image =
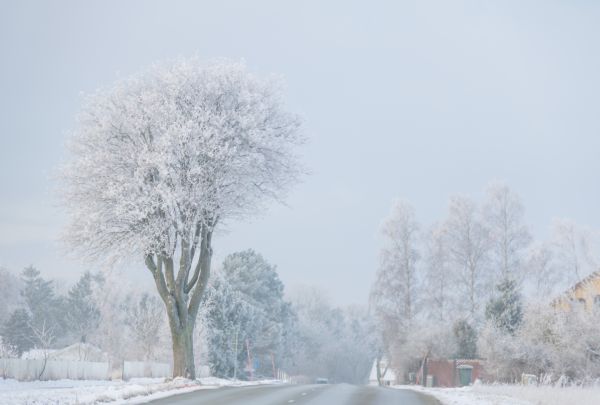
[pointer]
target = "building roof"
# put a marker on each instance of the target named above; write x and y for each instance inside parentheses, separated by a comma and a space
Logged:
(577, 286)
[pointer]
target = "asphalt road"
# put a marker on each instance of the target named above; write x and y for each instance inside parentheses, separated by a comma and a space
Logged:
(335, 394)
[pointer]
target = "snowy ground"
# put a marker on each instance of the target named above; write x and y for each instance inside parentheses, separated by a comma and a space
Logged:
(512, 395)
(80, 392)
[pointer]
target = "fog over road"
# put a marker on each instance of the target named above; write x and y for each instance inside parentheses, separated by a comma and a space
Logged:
(336, 394)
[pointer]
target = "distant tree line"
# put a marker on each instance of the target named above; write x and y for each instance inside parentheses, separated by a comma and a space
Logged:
(248, 327)
(477, 278)
(251, 326)
(123, 324)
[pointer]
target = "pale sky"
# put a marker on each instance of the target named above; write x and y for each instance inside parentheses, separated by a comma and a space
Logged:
(411, 99)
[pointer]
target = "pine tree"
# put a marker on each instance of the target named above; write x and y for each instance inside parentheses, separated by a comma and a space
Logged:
(83, 314)
(249, 313)
(44, 307)
(17, 332)
(230, 323)
(466, 340)
(506, 310)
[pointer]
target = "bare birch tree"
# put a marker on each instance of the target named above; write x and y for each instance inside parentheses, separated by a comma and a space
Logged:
(573, 247)
(468, 243)
(543, 275)
(162, 158)
(509, 236)
(439, 280)
(393, 294)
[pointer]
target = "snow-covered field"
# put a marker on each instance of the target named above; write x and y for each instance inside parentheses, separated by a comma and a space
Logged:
(513, 395)
(135, 391)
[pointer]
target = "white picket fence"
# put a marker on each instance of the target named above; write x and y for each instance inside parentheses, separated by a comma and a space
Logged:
(136, 369)
(27, 370)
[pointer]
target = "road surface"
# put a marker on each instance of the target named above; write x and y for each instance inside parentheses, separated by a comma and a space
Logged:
(334, 394)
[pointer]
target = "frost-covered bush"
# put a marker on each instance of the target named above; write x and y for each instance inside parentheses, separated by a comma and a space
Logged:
(6, 350)
(552, 344)
(499, 348)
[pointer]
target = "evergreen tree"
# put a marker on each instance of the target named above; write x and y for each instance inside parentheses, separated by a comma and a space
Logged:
(17, 332)
(10, 294)
(41, 301)
(248, 312)
(83, 314)
(466, 340)
(506, 310)
(230, 324)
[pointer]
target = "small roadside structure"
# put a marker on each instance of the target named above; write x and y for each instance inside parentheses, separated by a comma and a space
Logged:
(451, 373)
(387, 374)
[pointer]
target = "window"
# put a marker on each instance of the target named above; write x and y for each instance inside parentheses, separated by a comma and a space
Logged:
(597, 302)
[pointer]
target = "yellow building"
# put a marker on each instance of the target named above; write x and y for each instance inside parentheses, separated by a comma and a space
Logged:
(585, 294)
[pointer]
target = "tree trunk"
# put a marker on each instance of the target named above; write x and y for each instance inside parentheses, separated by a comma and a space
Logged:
(182, 295)
(183, 353)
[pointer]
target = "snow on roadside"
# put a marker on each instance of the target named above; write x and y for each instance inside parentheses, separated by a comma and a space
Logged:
(83, 392)
(466, 396)
(545, 395)
(504, 394)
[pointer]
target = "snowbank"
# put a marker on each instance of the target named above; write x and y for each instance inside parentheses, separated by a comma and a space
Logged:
(83, 392)
(481, 394)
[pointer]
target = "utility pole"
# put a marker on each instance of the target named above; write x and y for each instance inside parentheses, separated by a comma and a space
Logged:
(235, 355)
(273, 364)
(250, 369)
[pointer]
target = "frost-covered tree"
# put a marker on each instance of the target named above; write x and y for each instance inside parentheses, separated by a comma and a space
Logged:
(468, 244)
(543, 274)
(466, 339)
(393, 294)
(574, 248)
(229, 319)
(258, 282)
(145, 320)
(40, 315)
(10, 293)
(505, 309)
(110, 294)
(509, 236)
(248, 315)
(160, 159)
(82, 313)
(7, 351)
(331, 342)
(501, 351)
(17, 332)
(439, 280)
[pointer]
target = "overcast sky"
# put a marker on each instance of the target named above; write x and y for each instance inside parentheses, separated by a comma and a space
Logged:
(410, 99)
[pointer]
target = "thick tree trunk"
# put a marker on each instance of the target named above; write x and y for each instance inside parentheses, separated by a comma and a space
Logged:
(183, 353)
(182, 295)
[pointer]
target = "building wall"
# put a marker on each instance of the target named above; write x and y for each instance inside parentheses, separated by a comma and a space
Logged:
(586, 293)
(446, 374)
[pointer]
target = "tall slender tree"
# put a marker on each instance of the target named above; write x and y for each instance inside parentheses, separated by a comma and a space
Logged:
(82, 313)
(574, 248)
(439, 281)
(468, 247)
(395, 288)
(509, 236)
